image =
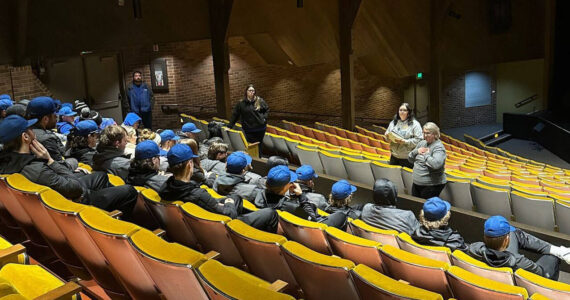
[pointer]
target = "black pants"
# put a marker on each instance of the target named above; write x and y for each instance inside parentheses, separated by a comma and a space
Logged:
(337, 220)
(256, 136)
(550, 265)
(264, 219)
(146, 119)
(427, 191)
(401, 162)
(103, 195)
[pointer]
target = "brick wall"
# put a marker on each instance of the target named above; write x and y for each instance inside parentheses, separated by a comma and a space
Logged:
(453, 111)
(21, 83)
(314, 90)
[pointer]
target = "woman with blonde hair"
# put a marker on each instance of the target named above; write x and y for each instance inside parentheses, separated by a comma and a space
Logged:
(253, 111)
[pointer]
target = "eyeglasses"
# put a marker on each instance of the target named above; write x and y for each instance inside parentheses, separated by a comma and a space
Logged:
(251, 91)
(427, 133)
(403, 109)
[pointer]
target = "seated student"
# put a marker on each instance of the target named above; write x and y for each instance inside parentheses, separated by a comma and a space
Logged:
(167, 140)
(189, 130)
(131, 141)
(199, 175)
(82, 142)
(4, 105)
(272, 161)
(383, 212)
(216, 160)
(281, 183)
(251, 177)
(144, 167)
(180, 187)
(66, 116)
(25, 155)
(434, 229)
(501, 245)
(110, 156)
(18, 108)
(340, 198)
(205, 145)
(233, 180)
(305, 179)
(147, 134)
(132, 120)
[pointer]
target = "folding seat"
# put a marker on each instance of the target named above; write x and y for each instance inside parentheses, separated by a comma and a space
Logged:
(351, 135)
(437, 253)
(170, 265)
(343, 142)
(369, 149)
(407, 178)
(350, 153)
(297, 129)
(563, 216)
(419, 271)
(555, 185)
(496, 183)
(330, 150)
(320, 126)
(223, 283)
(557, 192)
(331, 139)
(492, 174)
(466, 262)
(491, 201)
(65, 214)
(525, 180)
(532, 188)
(533, 210)
(379, 129)
(308, 233)
(292, 147)
(319, 135)
(292, 135)
(374, 285)
(28, 194)
(111, 236)
(267, 142)
(358, 250)
(241, 144)
(288, 125)
(226, 138)
(340, 132)
(384, 236)
(330, 129)
(280, 145)
(390, 172)
(358, 170)
(310, 156)
(305, 139)
(363, 138)
(34, 282)
(320, 276)
(333, 165)
(471, 170)
(270, 129)
(537, 284)
(466, 285)
(308, 132)
(354, 145)
(263, 254)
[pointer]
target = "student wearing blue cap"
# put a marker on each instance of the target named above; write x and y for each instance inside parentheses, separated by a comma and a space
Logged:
(340, 198)
(110, 156)
(383, 212)
(44, 109)
(250, 176)
(272, 161)
(305, 178)
(190, 130)
(434, 229)
(144, 167)
(82, 141)
(501, 245)
(132, 120)
(233, 180)
(199, 175)
(67, 117)
(4, 105)
(25, 155)
(167, 139)
(180, 187)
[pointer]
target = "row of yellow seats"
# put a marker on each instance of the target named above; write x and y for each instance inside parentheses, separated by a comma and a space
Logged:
(373, 140)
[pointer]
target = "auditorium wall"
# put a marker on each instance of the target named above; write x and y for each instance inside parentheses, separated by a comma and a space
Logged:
(21, 83)
(308, 93)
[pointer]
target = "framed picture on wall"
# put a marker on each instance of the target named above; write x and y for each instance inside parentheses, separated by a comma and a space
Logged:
(159, 75)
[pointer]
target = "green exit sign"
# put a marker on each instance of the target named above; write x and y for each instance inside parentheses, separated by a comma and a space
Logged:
(419, 75)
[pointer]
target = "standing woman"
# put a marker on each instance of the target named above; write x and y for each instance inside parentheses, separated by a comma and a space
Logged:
(429, 164)
(253, 112)
(406, 134)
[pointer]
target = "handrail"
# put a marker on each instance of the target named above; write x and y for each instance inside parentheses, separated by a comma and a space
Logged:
(526, 101)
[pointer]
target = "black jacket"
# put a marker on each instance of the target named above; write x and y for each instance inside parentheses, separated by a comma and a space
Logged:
(232, 183)
(56, 176)
(51, 142)
(251, 119)
(111, 160)
(83, 154)
(174, 190)
(350, 211)
(511, 257)
(146, 178)
(300, 207)
(317, 199)
(199, 177)
(440, 237)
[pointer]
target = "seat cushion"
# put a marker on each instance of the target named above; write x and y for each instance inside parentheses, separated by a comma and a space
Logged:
(156, 247)
(30, 281)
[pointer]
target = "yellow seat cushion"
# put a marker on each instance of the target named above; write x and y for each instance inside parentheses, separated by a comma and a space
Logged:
(370, 228)
(56, 201)
(537, 296)
(351, 239)
(236, 283)
(30, 281)
(408, 239)
(315, 257)
(472, 261)
(255, 234)
(115, 180)
(20, 259)
(154, 246)
(198, 212)
(19, 182)
(140, 188)
(6, 288)
(248, 205)
(101, 221)
(393, 286)
(288, 217)
(544, 282)
(414, 259)
(485, 283)
(13, 297)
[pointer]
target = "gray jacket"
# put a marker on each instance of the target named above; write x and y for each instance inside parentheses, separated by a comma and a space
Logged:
(227, 184)
(412, 135)
(253, 178)
(212, 165)
(429, 168)
(111, 160)
(390, 217)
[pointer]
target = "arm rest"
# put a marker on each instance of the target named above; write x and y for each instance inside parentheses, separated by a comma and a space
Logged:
(12, 251)
(159, 232)
(212, 255)
(63, 292)
(115, 214)
(278, 285)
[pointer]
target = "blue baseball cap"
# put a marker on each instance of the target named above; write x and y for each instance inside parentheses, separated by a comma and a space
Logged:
(13, 126)
(168, 135)
(179, 153)
(235, 163)
(66, 111)
(5, 96)
(86, 127)
(247, 157)
(342, 189)
(190, 127)
(41, 106)
(146, 149)
(67, 104)
(435, 208)
(131, 118)
(5, 103)
(107, 122)
(280, 176)
(306, 172)
(497, 226)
